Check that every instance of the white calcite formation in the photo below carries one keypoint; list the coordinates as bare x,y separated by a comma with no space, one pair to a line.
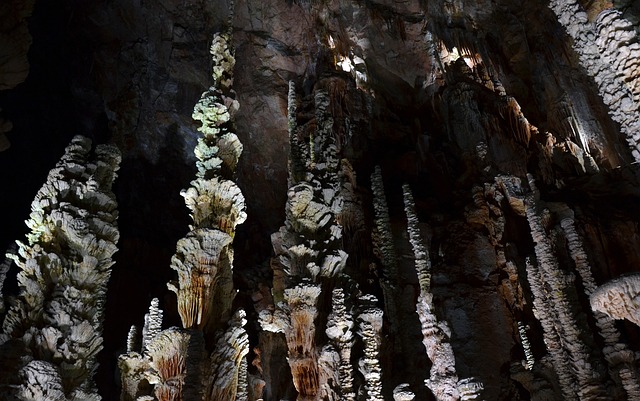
369,320
174,361
228,378
402,392
526,346
557,314
609,53
340,330
617,354
619,298
309,257
204,258
300,334
443,380
56,320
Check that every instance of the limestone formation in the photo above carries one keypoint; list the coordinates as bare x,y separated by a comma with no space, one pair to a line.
369,329
618,298
608,55
228,378
526,346
174,360
586,378
202,259
443,381
617,354
63,272
340,328
300,333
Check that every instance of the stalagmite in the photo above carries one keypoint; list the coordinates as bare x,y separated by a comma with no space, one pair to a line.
202,256
443,380
168,362
526,346
383,227
588,383
369,329
617,354
64,270
227,360
303,356
542,303
174,359
340,331
402,392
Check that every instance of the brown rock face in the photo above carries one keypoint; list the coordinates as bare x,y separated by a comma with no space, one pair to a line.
461,101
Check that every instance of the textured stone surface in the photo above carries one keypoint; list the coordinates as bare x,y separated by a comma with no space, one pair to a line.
516,100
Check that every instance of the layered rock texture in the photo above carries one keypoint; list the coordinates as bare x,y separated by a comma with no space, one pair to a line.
384,200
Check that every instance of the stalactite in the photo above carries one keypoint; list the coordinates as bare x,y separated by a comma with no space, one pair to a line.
617,354
622,106
589,384
64,270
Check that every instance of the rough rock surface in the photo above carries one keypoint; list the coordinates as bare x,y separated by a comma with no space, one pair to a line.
458,99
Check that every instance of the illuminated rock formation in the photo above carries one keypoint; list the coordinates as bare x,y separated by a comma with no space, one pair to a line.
608,54
369,320
618,298
340,327
618,355
443,381
64,269
204,262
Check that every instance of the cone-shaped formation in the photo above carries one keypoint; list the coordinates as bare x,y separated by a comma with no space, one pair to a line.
204,259
303,357
175,360
617,354
64,269
369,329
340,327
309,252
226,362
443,380
202,256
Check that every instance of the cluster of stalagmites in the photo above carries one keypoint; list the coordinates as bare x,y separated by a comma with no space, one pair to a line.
206,359
609,51
308,253
568,342
51,333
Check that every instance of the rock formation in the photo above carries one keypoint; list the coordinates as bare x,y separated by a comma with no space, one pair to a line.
54,326
301,268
